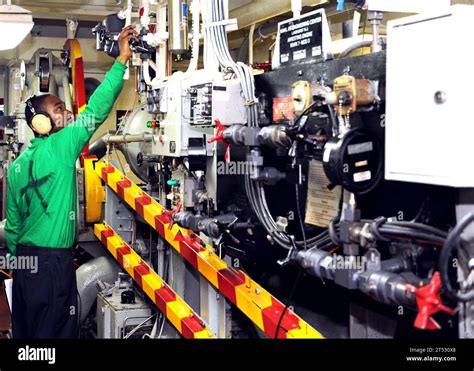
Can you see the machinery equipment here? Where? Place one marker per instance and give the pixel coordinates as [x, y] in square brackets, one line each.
[321, 199]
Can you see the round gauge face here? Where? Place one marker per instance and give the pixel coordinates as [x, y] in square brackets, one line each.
[354, 161]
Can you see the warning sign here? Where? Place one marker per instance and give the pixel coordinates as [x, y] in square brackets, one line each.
[301, 39]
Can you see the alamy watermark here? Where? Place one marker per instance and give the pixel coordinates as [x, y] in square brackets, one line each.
[28, 353]
[19, 263]
[84, 120]
[236, 168]
[341, 262]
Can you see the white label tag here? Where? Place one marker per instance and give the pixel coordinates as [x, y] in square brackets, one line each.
[362, 176]
[322, 204]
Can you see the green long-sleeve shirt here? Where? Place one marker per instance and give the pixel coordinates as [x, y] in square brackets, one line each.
[42, 196]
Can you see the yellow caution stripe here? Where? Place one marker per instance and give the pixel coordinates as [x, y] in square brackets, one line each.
[180, 314]
[254, 301]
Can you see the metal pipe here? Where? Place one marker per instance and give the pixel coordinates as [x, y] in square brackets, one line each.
[128, 21]
[98, 147]
[178, 26]
[102, 268]
[252, 30]
[66, 91]
[146, 73]
[258, 11]
[71, 28]
[296, 7]
[193, 64]
[357, 45]
[128, 138]
[145, 18]
[395, 265]
[160, 247]
[317, 262]
[375, 19]
[383, 286]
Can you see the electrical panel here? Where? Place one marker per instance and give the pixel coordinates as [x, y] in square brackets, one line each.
[173, 133]
[428, 126]
[115, 319]
[221, 101]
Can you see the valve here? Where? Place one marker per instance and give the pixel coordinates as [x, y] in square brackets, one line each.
[219, 138]
[429, 302]
[168, 215]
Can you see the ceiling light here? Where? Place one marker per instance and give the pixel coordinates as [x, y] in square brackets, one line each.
[15, 24]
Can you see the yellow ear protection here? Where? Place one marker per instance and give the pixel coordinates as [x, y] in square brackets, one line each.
[40, 122]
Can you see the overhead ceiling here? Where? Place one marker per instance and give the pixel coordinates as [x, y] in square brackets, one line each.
[93, 10]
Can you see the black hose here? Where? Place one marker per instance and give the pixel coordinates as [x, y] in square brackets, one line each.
[451, 242]
[399, 231]
[419, 226]
[333, 234]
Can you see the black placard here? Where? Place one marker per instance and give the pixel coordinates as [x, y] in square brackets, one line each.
[301, 39]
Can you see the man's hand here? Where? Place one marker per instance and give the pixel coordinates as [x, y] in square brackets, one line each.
[128, 33]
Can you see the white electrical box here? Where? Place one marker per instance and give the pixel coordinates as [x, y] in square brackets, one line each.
[116, 319]
[429, 123]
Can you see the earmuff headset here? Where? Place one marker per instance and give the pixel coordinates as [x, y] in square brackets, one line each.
[40, 122]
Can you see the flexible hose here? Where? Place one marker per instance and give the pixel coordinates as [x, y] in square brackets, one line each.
[451, 242]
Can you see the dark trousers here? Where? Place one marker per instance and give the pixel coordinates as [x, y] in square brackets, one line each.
[45, 302]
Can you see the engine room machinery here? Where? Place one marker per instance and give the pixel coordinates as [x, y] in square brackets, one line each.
[321, 199]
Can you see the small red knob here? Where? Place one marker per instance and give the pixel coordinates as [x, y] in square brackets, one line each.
[428, 300]
[218, 137]
[169, 214]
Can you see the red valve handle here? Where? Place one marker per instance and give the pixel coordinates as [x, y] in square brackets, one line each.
[219, 138]
[428, 300]
[169, 214]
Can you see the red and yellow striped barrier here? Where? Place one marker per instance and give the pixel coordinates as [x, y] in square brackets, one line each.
[253, 300]
[180, 314]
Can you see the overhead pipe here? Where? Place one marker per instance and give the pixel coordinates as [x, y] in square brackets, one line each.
[252, 31]
[145, 18]
[127, 15]
[195, 9]
[259, 11]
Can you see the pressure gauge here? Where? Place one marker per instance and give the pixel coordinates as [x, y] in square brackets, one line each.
[353, 161]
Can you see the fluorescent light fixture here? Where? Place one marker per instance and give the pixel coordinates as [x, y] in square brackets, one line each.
[15, 24]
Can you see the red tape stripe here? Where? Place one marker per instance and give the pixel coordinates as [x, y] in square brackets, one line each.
[228, 279]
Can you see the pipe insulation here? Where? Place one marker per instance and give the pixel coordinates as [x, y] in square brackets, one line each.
[102, 268]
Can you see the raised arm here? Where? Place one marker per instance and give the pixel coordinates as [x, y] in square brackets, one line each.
[69, 142]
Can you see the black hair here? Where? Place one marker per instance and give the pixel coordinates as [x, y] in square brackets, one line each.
[38, 104]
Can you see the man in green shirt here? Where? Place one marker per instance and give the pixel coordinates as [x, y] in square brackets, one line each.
[42, 210]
